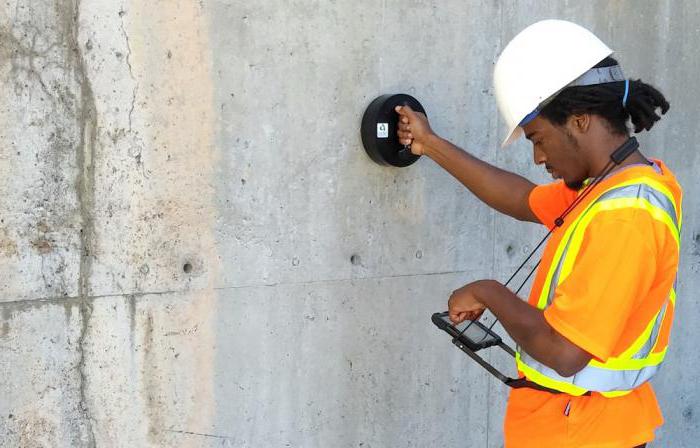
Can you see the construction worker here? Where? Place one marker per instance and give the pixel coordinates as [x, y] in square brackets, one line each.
[596, 326]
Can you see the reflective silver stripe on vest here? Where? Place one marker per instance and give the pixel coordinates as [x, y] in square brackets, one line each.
[646, 192]
[645, 350]
[643, 191]
[596, 378]
[555, 278]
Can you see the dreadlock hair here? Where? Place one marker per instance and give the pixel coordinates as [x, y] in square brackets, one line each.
[605, 100]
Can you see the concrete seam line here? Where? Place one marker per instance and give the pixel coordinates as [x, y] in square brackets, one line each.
[55, 300]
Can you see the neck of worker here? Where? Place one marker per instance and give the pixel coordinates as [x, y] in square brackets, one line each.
[601, 143]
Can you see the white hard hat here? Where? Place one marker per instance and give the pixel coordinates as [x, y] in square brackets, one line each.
[542, 60]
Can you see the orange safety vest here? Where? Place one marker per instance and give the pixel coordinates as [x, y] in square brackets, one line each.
[621, 195]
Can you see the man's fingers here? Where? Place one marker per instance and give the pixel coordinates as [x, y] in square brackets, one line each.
[405, 119]
[405, 136]
[461, 316]
[474, 315]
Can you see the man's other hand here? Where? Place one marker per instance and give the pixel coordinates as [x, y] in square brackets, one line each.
[464, 304]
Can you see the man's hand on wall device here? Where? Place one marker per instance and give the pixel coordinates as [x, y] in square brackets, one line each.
[413, 129]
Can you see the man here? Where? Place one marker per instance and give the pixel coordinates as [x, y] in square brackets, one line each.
[596, 325]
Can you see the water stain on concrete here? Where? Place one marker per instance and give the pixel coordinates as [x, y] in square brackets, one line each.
[8, 246]
[42, 245]
[6, 316]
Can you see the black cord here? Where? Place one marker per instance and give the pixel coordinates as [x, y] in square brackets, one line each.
[557, 223]
[616, 158]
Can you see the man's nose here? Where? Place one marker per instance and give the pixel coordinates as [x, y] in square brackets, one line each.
[538, 156]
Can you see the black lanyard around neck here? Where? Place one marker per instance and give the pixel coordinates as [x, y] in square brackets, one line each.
[616, 158]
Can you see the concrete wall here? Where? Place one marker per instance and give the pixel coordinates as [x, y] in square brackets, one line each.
[195, 250]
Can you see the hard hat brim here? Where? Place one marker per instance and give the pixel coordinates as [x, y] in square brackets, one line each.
[512, 136]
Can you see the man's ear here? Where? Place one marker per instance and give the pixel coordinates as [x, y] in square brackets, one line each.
[580, 123]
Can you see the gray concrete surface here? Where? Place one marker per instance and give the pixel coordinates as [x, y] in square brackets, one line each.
[195, 250]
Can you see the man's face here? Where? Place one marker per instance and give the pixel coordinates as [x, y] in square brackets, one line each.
[557, 149]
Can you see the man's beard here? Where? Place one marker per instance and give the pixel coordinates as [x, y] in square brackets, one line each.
[574, 184]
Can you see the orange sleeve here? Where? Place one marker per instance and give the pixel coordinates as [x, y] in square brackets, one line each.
[615, 267]
[548, 201]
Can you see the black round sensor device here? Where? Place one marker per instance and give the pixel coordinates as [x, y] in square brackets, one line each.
[379, 126]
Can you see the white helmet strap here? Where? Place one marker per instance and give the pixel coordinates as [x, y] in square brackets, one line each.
[599, 75]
